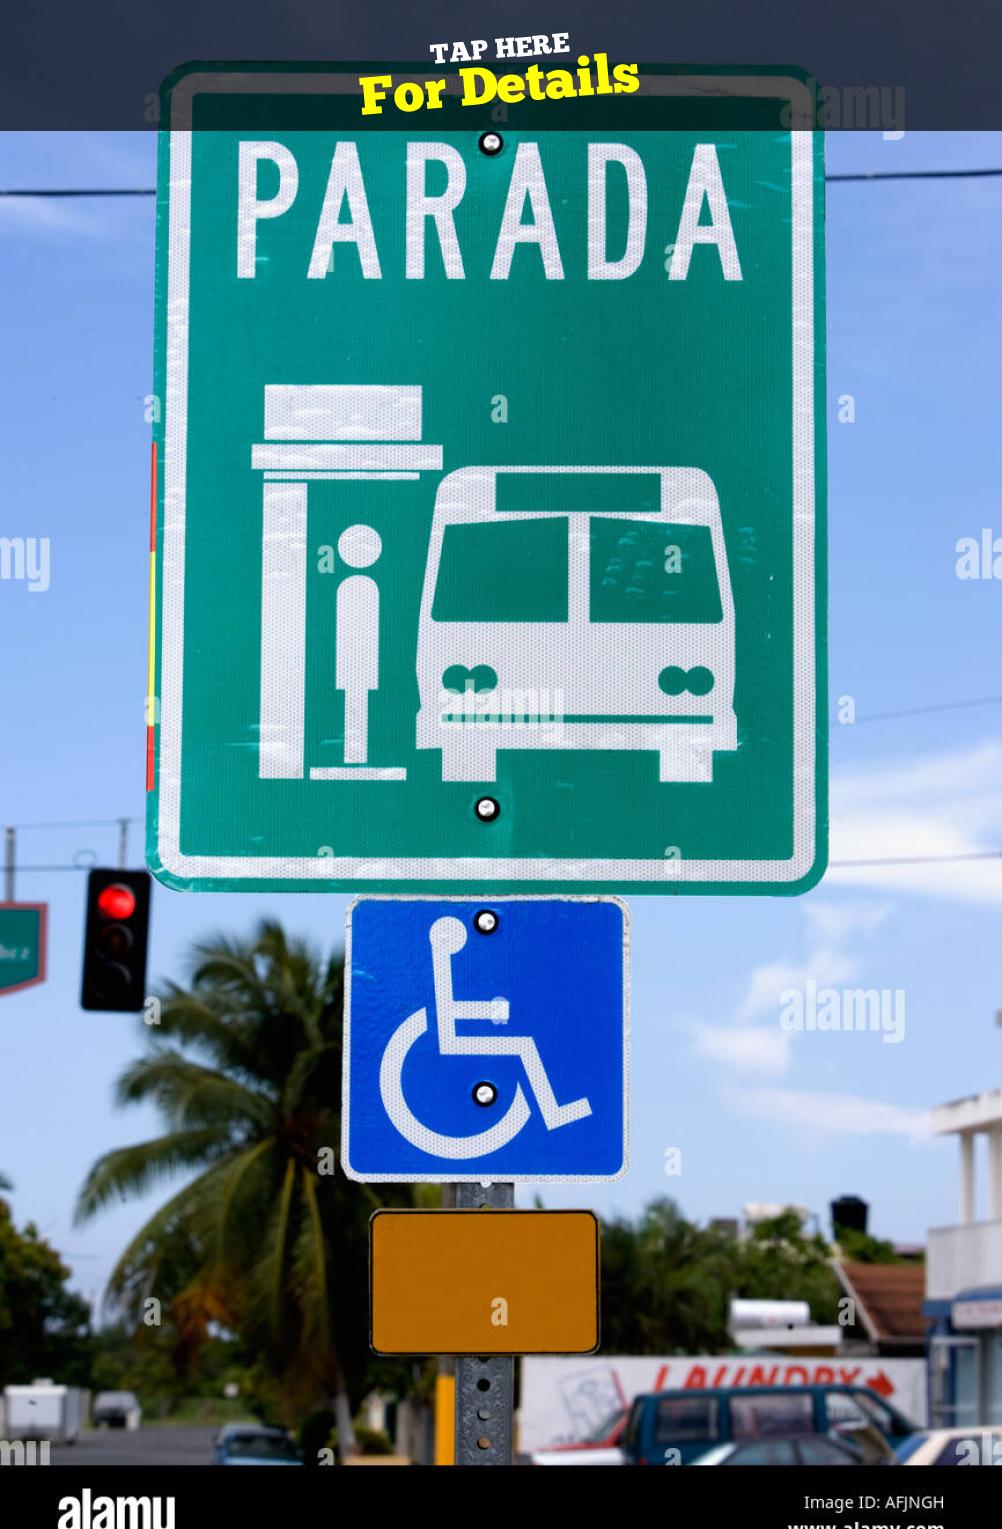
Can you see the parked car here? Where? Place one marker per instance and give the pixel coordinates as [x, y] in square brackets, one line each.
[254, 1444]
[600, 1447]
[801, 1449]
[952, 1446]
[116, 1409]
[673, 1427]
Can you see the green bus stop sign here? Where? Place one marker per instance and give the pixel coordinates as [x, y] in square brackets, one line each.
[488, 495]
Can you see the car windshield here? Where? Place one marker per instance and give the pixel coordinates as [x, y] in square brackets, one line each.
[881, 1415]
[259, 1446]
[503, 570]
[785, 1412]
[681, 1419]
[652, 571]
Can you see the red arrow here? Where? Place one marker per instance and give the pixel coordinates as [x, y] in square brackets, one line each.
[881, 1384]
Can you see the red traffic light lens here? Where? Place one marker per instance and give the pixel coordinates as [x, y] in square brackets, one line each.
[116, 901]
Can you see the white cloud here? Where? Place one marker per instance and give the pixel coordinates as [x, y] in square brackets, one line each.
[750, 1048]
[832, 1114]
[836, 930]
[837, 921]
[828, 965]
[829, 961]
[942, 804]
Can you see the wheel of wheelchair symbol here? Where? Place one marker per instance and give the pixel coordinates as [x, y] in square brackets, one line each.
[437, 1143]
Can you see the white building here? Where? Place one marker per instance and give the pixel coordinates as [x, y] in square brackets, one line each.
[964, 1273]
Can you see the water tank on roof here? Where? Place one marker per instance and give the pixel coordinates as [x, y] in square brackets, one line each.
[849, 1211]
[745, 1315]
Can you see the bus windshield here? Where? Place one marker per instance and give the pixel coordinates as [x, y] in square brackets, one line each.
[517, 571]
[652, 571]
[505, 570]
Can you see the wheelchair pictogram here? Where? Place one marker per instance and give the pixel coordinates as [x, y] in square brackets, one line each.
[447, 937]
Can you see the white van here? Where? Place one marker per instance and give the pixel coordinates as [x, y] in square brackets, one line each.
[42, 1410]
[576, 608]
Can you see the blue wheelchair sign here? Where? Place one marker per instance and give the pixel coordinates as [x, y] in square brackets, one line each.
[485, 1040]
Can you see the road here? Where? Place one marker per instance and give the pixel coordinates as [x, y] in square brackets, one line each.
[147, 1446]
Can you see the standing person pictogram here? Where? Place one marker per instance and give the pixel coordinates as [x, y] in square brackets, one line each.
[357, 638]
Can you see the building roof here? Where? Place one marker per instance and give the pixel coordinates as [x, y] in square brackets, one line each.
[888, 1298]
[977, 1112]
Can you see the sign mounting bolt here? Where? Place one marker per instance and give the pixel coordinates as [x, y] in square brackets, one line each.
[487, 809]
[491, 144]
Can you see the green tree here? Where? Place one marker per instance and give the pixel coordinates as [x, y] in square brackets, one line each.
[667, 1283]
[778, 1262]
[44, 1326]
[146, 1361]
[861, 1248]
[267, 1240]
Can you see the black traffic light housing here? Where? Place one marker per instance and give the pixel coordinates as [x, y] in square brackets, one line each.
[115, 939]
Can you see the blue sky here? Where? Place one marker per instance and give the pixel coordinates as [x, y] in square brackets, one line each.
[915, 300]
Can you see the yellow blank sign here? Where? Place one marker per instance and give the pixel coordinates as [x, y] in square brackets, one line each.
[484, 1281]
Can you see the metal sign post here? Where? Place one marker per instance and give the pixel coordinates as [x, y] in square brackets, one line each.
[485, 1387]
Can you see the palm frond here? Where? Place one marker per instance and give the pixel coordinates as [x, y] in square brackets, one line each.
[235, 1181]
[266, 1278]
[190, 1094]
[209, 1024]
[134, 1170]
[138, 1269]
[314, 1075]
[310, 1268]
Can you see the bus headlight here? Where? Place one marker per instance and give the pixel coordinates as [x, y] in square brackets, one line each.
[676, 681]
[480, 680]
[699, 681]
[672, 680]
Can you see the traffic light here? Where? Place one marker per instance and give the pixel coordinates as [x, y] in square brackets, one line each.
[115, 938]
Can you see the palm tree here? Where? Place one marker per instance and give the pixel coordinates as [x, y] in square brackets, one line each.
[268, 1239]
